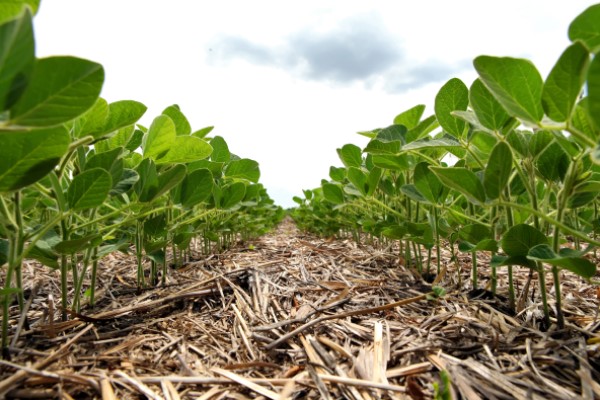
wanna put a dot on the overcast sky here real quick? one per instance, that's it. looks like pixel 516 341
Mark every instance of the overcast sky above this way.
pixel 286 83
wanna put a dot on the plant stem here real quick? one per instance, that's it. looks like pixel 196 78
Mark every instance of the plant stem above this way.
pixel 437 239
pixel 543 292
pixel 511 289
pixel 474 258
pixel 19 242
pixel 139 237
pixel 15 248
pixel 93 278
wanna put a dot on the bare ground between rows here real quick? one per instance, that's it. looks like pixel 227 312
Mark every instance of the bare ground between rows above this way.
pixel 290 315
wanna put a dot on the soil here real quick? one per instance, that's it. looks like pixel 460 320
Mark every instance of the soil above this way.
pixel 293 316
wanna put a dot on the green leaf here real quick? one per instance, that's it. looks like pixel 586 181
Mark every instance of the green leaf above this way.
pixel 539 141
pixel 132 160
pixel 89 189
pixel 17 58
pixel 368 134
pixel 165 147
pixel 232 194
pixel 463 181
pixel 481 146
pixel 110 160
pixel 583 194
pixel 519 239
pixel 11 9
pixel 186 149
pixel 424 128
pixel 498 170
pixel 482 245
pixel 393 133
pixel 104 250
pixel 215 167
pixel 76 245
pixel 183 237
pixel 359 179
pixel 147 184
pixel 412 192
pixel 489 111
pixel 474 233
pixel 126 181
pixel 428 184
pixel 243 168
pixel 182 125
pixel 585 28
pixel 581 120
pixel 160 138
pixel 442 143
pixel 578 265
pixel 93 120
pixel 337 174
pixel 104 159
pixel 423 234
pixel 351 155
pixel 519 141
pixel 394 162
pixel 471 119
pixel 333 193
pixel 121 114
pixel 453 96
pixel 477 237
pixel 568 252
pixel 220 150
pixel 378 147
pixel 135 140
pixel 119 139
pixel 196 187
pixel 169 179
pixel 373 179
pixel 515 83
pixel 60 89
pixel 156 226
pixel 553 162
pixel 155 252
pixel 151 185
pixel 46 256
pixel 28 156
pixel 565 81
pixel 411 117
pixel 201 133
pixel 105 119
pixel 593 87
pixel 396 232
pixel 596 154
pixel 500 261
pixel 44 252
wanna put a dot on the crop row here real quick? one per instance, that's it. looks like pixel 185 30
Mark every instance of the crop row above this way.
pixel 524 185
pixel 80 178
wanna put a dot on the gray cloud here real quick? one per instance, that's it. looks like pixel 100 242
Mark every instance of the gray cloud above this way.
pixel 403 79
pixel 357 49
pixel 229 47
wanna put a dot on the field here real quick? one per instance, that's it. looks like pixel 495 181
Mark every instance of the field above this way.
pixel 290 314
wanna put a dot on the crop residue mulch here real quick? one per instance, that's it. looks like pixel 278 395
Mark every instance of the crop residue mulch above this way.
pixel 292 316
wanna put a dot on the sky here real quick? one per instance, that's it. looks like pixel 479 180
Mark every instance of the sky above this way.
pixel 287 83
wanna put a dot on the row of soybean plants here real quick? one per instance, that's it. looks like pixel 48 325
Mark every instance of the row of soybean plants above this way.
pixel 79 178
pixel 525 182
